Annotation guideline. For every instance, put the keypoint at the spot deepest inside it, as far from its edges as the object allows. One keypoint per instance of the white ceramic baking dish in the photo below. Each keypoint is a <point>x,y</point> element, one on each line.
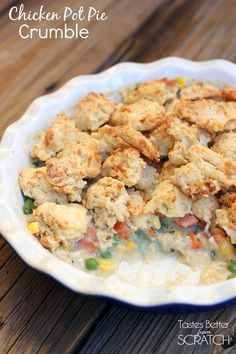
<point>14,155</point>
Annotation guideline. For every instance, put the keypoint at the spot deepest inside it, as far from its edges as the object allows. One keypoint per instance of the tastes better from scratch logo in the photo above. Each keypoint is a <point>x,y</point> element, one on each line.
<point>29,22</point>
<point>204,334</point>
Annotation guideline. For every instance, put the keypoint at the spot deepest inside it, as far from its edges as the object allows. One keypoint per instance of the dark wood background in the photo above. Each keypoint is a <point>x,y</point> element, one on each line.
<point>37,315</point>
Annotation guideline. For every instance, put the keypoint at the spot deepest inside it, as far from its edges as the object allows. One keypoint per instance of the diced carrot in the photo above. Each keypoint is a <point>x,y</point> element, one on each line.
<point>196,242</point>
<point>122,230</point>
<point>44,242</point>
<point>150,231</point>
<point>218,234</point>
<point>186,221</point>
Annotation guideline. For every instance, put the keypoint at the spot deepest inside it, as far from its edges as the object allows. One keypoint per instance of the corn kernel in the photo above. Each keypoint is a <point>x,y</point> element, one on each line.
<point>106,265</point>
<point>181,81</point>
<point>33,227</point>
<point>131,245</point>
<point>66,248</point>
<point>226,248</point>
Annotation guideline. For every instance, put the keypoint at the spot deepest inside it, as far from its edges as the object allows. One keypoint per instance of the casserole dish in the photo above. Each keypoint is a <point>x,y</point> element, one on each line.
<point>145,290</point>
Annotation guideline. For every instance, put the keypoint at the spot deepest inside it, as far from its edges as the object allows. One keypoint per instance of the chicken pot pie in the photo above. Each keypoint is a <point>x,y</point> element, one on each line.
<point>154,173</point>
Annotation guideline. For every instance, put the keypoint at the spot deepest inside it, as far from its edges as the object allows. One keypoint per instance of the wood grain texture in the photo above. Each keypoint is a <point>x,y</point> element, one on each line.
<point>135,332</point>
<point>36,314</point>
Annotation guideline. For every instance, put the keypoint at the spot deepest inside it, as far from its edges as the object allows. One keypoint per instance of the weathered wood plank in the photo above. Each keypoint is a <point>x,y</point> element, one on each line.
<point>36,58</point>
<point>60,320</point>
<point>12,269</point>
<point>126,331</point>
<point>201,30</point>
<point>5,5</point>
<point>6,252</point>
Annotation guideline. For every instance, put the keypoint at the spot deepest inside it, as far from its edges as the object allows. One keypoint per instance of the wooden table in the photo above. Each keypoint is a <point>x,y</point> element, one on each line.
<point>37,315</point>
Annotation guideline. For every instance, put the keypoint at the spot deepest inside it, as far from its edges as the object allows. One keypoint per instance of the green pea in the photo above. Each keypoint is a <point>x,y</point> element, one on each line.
<point>28,206</point>
<point>91,264</point>
<point>116,239</point>
<point>232,266</point>
<point>165,221</point>
<point>231,276</point>
<point>106,254</point>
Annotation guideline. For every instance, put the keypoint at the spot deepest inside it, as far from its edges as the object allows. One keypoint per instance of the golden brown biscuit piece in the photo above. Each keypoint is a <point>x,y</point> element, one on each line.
<point>160,138</point>
<point>193,181</point>
<point>204,208</point>
<point>160,91</point>
<point>107,140</point>
<point>206,173</point>
<point>184,135</point>
<point>167,171</point>
<point>126,165</point>
<point>136,202</point>
<point>141,115</point>
<point>107,199</point>
<point>229,93</point>
<point>138,141</point>
<point>178,156</point>
<point>137,219</point>
<point>226,219</point>
<point>230,112</point>
<point>187,134</point>
<point>168,200</point>
<point>66,175</point>
<point>213,165</point>
<point>93,111</point>
<point>60,224</point>
<point>34,184</point>
<point>206,114</point>
<point>174,133</point>
<point>225,144</point>
<point>199,90</point>
<point>228,199</point>
<point>61,132</point>
<point>89,155</point>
